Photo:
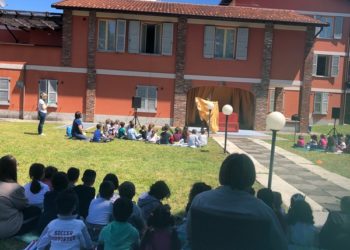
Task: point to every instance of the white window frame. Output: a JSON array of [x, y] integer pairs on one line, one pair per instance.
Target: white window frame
[[146, 109], [225, 44], [321, 99], [332, 67], [160, 25], [48, 93], [7, 102]]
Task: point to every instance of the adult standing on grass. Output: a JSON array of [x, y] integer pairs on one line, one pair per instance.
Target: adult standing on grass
[[42, 112], [77, 127], [16, 216]]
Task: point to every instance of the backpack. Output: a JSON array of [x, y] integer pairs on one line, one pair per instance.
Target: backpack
[[69, 131]]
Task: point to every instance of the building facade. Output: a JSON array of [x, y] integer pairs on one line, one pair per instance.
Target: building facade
[[96, 56]]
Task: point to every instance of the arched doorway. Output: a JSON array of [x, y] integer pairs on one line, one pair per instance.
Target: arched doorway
[[242, 101]]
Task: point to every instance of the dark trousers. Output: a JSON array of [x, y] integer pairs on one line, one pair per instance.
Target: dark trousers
[[42, 117], [31, 216]]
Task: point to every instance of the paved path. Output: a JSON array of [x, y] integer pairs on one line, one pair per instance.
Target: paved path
[[293, 174]]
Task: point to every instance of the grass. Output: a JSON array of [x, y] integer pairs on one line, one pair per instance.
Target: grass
[[138, 162], [336, 163]]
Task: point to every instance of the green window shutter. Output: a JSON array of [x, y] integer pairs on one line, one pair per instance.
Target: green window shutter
[[338, 27], [134, 37], [209, 39], [167, 39], [121, 29], [242, 43], [52, 92], [4, 91], [335, 66]]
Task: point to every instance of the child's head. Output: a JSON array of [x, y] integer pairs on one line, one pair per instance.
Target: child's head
[[73, 174], [127, 190], [160, 190], [98, 126], [112, 123], [66, 202], [277, 200], [301, 212], [266, 195], [165, 128], [122, 124], [296, 197], [89, 177], [116, 122], [150, 126], [122, 209], [178, 130], [202, 131], [112, 178], [50, 171], [143, 127], [131, 122], [106, 190], [314, 137], [59, 181], [194, 131], [196, 189], [131, 125], [108, 121], [301, 137], [36, 173], [322, 136], [161, 218]]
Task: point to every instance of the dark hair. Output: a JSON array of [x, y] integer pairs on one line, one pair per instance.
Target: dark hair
[[131, 125], [345, 204], [112, 178], [98, 126], [50, 171], [160, 190], [77, 115], [66, 202], [196, 189], [277, 200], [122, 209], [73, 174], [122, 124], [161, 217], [314, 137], [106, 190], [127, 190], [237, 171], [59, 181], [8, 168], [300, 212], [202, 131], [89, 177], [194, 131], [266, 195], [36, 173]]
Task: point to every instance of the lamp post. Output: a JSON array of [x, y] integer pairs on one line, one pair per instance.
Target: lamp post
[[227, 110], [275, 121], [210, 108]]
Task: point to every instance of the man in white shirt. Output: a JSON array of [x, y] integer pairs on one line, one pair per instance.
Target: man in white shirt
[[42, 111]]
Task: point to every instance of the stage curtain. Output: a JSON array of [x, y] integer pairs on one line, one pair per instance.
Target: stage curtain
[[246, 107], [202, 107]]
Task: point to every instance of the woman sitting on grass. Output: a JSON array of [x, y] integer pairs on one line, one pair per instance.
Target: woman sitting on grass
[[16, 216], [77, 127]]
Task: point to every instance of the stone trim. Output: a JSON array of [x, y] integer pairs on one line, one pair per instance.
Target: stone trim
[[91, 70], [66, 56], [181, 85], [305, 88], [261, 90]]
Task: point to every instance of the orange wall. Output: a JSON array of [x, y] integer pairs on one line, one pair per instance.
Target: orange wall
[[198, 83], [287, 54], [197, 64], [37, 37], [291, 103], [114, 93], [333, 101], [31, 54], [79, 41]]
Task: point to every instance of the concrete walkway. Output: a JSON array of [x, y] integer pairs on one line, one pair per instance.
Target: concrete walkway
[[293, 174]]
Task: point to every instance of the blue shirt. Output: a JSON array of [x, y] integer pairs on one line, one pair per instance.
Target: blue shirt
[[75, 127], [97, 135]]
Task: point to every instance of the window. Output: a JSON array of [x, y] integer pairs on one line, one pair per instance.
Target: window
[[150, 38], [111, 35], [4, 91], [148, 96], [334, 30], [326, 65], [272, 100], [225, 43], [50, 88], [321, 103]]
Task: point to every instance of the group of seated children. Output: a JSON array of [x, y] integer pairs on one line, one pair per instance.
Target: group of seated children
[[330, 144], [179, 137]]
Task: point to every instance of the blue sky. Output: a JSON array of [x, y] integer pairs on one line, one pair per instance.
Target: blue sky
[[45, 5]]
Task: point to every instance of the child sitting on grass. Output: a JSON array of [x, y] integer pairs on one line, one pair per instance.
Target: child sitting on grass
[[73, 176], [313, 144], [100, 210], [86, 192], [143, 132], [119, 234], [49, 173], [65, 232], [153, 137], [193, 141], [300, 142], [98, 135], [322, 144], [203, 138], [122, 131]]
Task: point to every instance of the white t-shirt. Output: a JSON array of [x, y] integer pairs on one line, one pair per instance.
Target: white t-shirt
[[65, 233], [38, 198], [203, 140], [100, 211], [41, 105]]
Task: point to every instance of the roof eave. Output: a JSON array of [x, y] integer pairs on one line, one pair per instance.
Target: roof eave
[[280, 22]]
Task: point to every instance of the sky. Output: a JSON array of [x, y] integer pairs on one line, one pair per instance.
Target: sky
[[45, 5]]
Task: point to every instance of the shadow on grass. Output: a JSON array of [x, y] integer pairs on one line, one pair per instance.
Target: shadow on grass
[[30, 133]]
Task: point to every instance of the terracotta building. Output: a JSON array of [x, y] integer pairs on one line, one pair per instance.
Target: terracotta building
[[98, 54]]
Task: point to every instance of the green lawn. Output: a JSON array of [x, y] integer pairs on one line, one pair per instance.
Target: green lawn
[[337, 163], [138, 162]]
